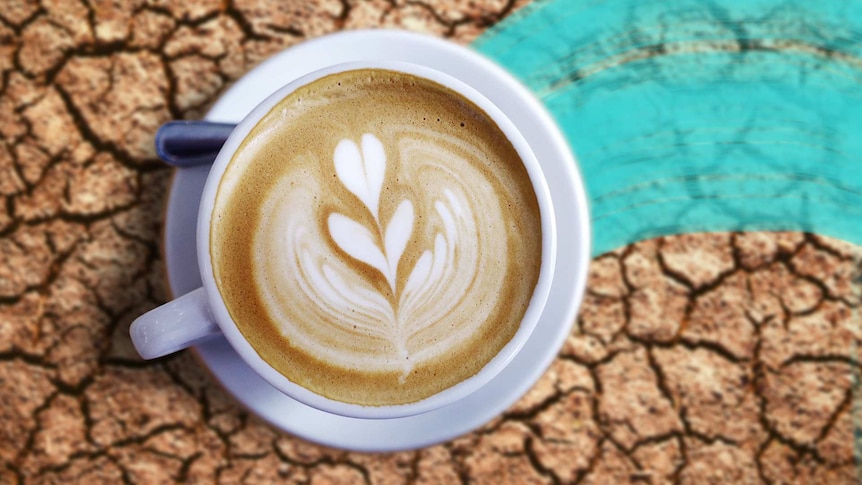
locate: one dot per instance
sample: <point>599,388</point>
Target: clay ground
<point>695,359</point>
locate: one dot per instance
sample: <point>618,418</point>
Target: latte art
<point>426,305</point>
<point>378,238</point>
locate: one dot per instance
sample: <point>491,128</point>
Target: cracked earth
<point>703,358</point>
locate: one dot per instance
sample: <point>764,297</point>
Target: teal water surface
<point>693,116</point>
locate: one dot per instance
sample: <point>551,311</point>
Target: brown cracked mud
<point>706,358</point>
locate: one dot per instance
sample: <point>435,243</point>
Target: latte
<point>376,238</point>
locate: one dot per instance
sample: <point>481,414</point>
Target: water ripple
<point>701,116</point>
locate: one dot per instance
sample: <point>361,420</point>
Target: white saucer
<point>573,242</point>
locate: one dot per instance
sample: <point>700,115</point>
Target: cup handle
<point>174,326</point>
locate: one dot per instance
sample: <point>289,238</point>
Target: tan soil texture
<point>695,359</point>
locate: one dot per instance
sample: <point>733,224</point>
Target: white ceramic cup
<point>202,314</point>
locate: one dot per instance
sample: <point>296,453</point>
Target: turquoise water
<point>701,116</point>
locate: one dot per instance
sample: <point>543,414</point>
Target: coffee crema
<point>376,238</point>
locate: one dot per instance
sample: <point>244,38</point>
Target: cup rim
<point>447,396</point>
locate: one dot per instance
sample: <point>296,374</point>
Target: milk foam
<point>428,304</point>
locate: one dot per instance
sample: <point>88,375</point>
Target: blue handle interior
<point>189,143</point>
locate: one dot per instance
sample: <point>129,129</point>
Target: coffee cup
<point>376,240</point>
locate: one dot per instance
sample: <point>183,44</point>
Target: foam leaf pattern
<point>362,173</point>
<point>397,235</point>
<point>434,276</point>
<point>357,241</point>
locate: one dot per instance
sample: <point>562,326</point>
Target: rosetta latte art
<point>363,175</point>
<point>376,238</point>
<point>426,305</point>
